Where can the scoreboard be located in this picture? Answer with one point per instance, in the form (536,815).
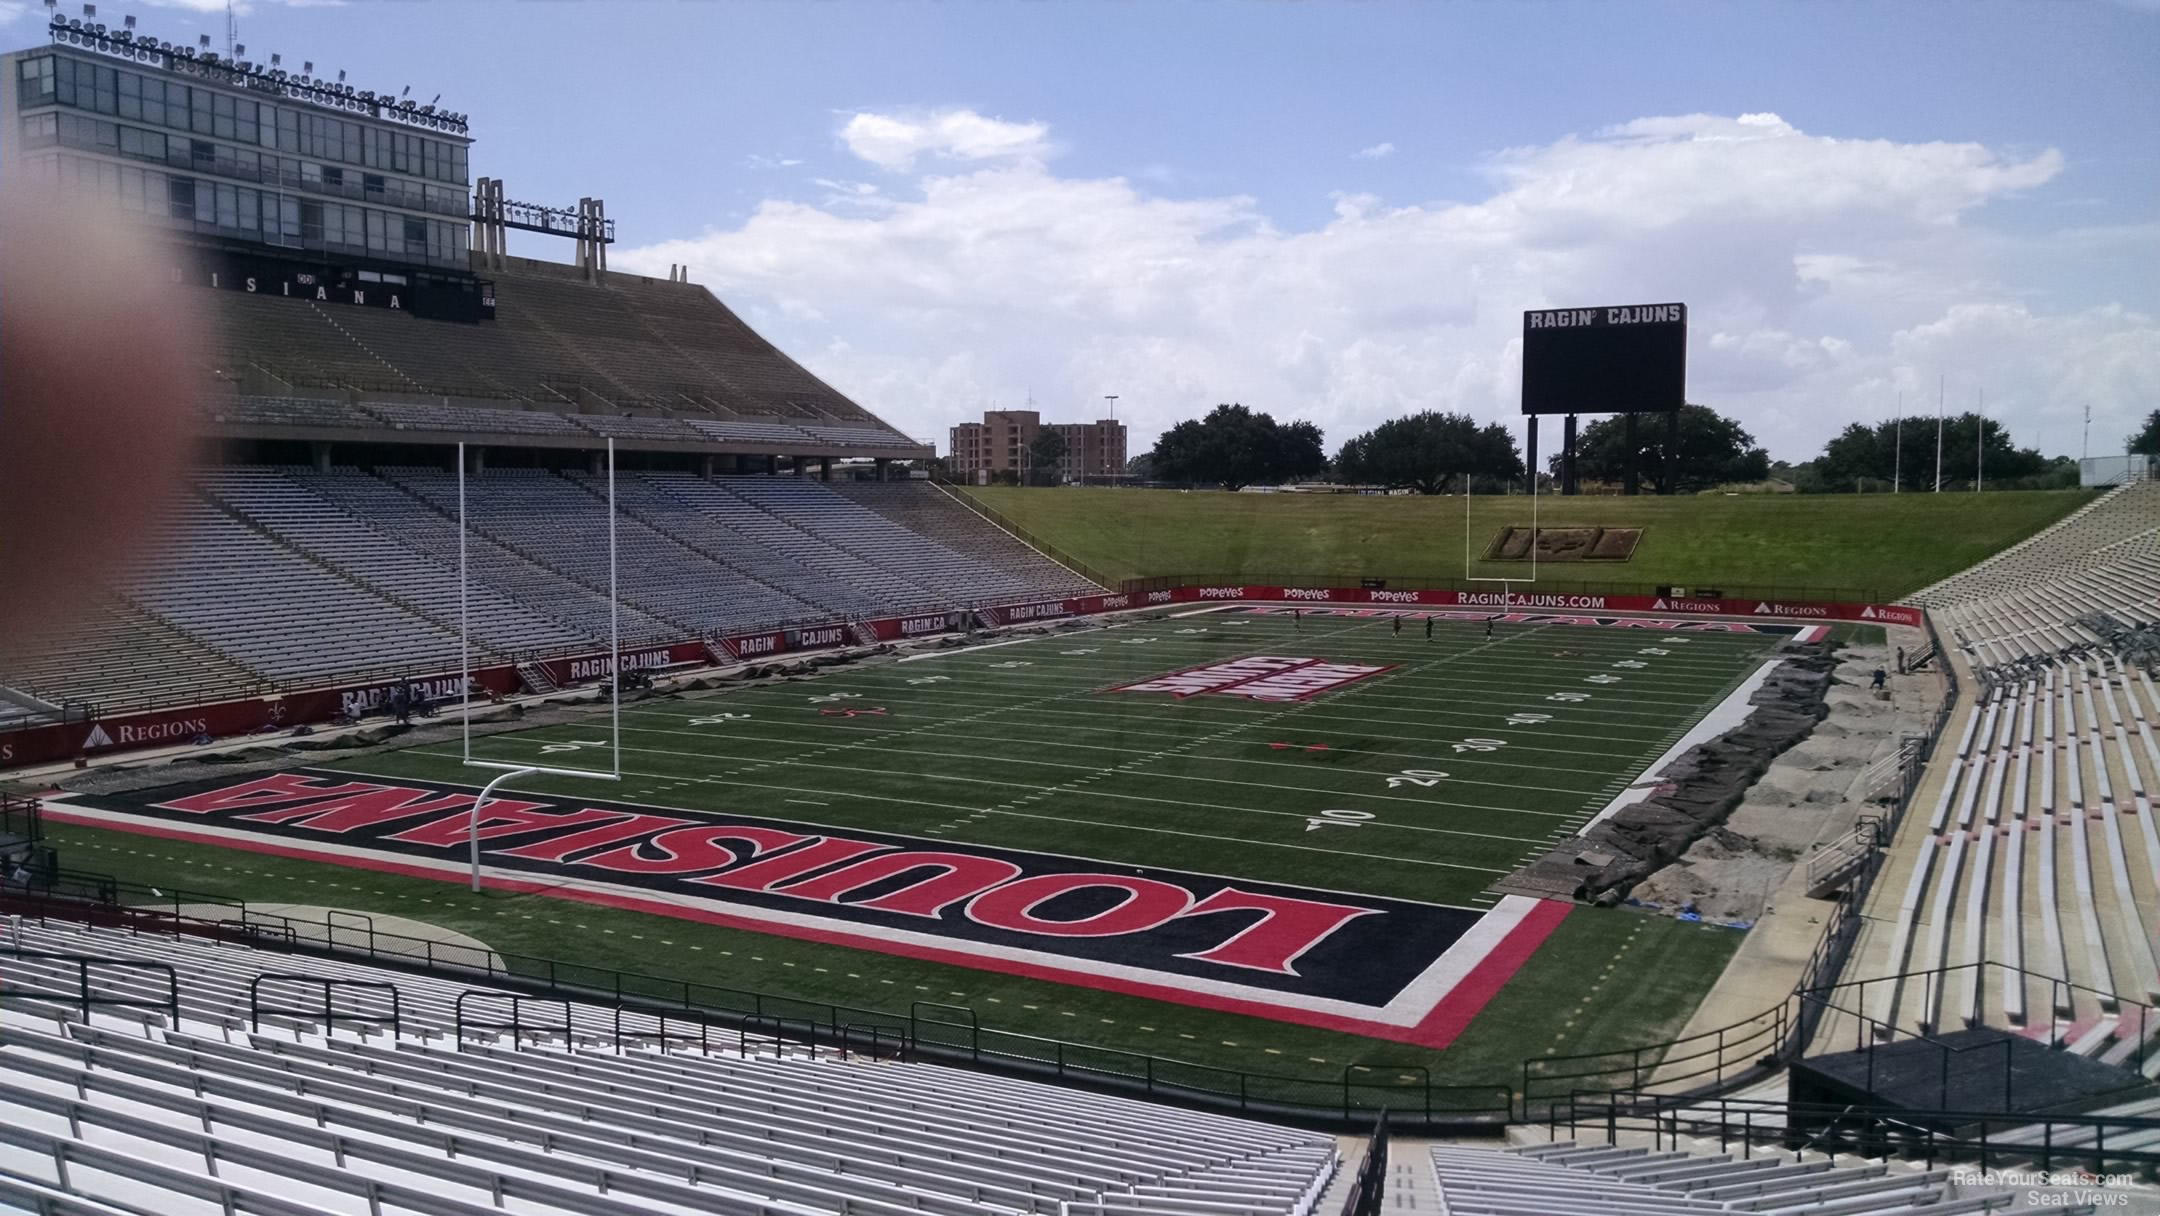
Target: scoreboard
(1631,358)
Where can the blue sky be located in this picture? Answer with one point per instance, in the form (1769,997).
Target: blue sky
(947,206)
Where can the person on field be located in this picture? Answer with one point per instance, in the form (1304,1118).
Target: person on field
(1297,619)
(1881,678)
(1488,629)
(1428,629)
(1398,626)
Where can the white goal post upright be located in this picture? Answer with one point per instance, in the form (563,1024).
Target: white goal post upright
(1466,542)
(510,771)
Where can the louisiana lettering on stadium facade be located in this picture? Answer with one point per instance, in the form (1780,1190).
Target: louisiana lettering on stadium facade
(1387,967)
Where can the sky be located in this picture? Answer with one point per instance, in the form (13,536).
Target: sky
(1334,211)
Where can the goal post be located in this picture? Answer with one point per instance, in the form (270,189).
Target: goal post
(1468,544)
(509,770)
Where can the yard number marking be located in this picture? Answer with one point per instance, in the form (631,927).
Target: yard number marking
(1653,650)
(571,747)
(1631,663)
(1568,696)
(1601,679)
(1527,719)
(1337,819)
(1427,777)
(718,719)
(1480,745)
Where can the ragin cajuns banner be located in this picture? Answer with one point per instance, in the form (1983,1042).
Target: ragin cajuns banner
(1385,967)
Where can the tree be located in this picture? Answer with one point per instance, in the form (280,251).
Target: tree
(1141,467)
(1713,450)
(1861,456)
(1044,452)
(2147,441)
(1427,451)
(1234,447)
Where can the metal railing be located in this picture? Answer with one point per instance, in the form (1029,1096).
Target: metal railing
(1370,1187)
(957,492)
(2103,1144)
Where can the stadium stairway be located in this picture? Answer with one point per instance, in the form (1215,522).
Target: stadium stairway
(208,1112)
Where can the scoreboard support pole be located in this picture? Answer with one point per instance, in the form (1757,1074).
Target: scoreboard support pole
(1567,455)
(1633,478)
(1530,446)
(1672,444)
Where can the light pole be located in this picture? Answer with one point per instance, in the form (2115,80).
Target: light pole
(1897,448)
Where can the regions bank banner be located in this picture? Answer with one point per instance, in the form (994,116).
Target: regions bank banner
(1391,968)
(250,715)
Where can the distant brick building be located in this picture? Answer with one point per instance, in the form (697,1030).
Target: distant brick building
(998,446)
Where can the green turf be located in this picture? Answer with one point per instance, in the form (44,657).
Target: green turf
(1885,544)
(1020,745)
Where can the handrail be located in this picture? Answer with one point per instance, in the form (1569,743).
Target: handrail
(330,1017)
(1032,541)
(86,998)
(517,1024)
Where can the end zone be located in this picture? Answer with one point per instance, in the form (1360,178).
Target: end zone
(1375,966)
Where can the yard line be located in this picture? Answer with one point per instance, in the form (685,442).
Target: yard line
(1272,844)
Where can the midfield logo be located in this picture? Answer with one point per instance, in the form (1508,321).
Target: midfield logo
(1263,677)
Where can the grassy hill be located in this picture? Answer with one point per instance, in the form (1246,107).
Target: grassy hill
(1796,545)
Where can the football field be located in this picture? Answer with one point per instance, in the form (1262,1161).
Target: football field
(1428,780)
(1187,822)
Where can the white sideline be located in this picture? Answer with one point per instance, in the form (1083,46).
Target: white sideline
(1725,715)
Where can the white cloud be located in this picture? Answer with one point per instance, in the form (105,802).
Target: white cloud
(1824,274)
(1380,151)
(894,141)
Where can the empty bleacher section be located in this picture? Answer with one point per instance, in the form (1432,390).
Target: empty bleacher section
(844,525)
(925,509)
(270,608)
(206,1112)
(112,654)
(2033,872)
(557,343)
(286,577)
(555,523)
(344,542)
(579,608)
(737,514)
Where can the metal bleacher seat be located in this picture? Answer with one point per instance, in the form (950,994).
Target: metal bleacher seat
(165,1116)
